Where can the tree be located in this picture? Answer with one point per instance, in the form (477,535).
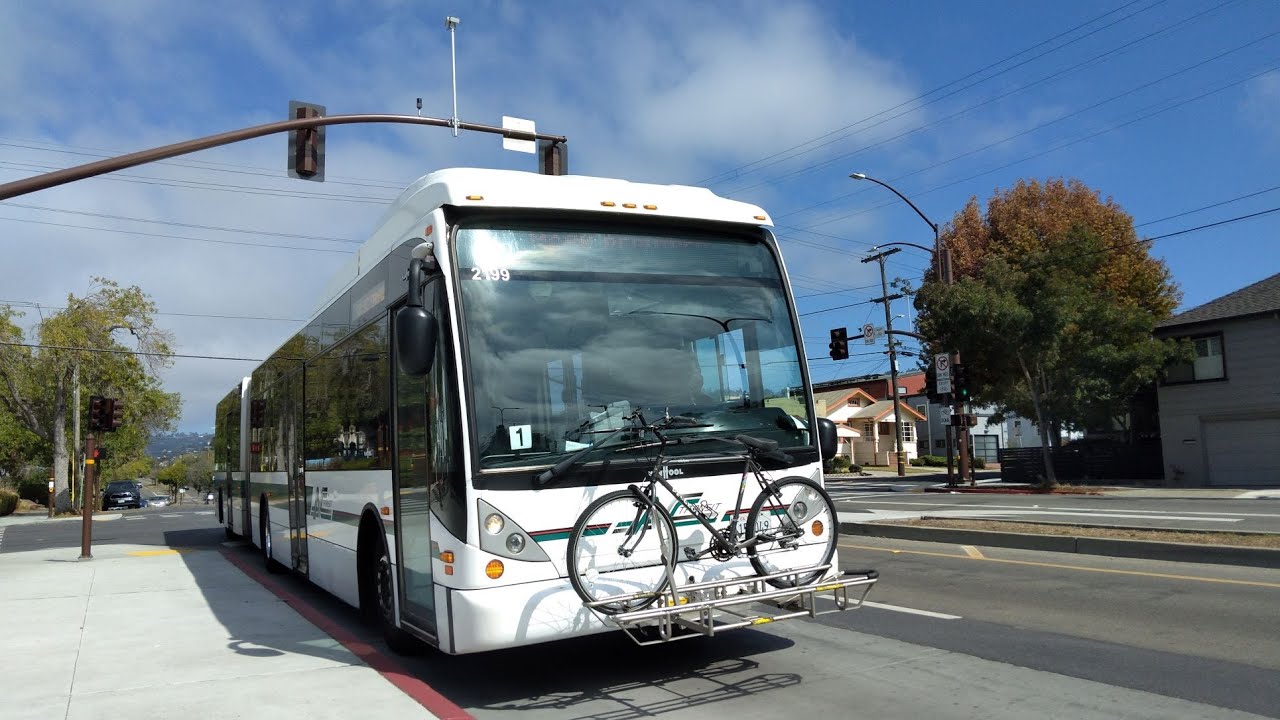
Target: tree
(37,383)
(1053,307)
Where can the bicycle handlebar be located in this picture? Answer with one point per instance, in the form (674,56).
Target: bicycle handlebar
(670,422)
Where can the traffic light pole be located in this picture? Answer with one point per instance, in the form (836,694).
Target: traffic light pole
(962,430)
(87,496)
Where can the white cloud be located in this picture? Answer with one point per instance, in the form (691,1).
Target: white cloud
(664,92)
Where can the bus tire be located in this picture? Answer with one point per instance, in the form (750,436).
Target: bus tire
(379,592)
(264,536)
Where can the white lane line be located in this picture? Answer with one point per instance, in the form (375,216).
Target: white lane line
(170,515)
(1051,508)
(912,611)
(135,518)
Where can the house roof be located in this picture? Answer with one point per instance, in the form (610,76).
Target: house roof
(1258,298)
(883,411)
(837,399)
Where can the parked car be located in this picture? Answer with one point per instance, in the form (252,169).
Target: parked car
(122,493)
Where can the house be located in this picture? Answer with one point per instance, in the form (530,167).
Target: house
(865,425)
(1220,413)
(988,436)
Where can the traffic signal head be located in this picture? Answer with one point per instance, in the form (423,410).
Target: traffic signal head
(99,454)
(306,145)
(116,416)
(961,382)
(97,408)
(839,344)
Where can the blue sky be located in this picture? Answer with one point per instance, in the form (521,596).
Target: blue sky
(1167,106)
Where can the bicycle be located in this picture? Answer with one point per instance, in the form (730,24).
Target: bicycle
(617,565)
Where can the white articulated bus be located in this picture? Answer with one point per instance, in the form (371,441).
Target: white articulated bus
(388,452)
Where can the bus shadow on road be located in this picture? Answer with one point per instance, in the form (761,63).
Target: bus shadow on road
(608,676)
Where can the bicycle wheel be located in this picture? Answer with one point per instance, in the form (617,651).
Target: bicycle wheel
(798,528)
(622,547)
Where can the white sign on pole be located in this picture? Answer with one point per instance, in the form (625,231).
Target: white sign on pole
(869,334)
(513,123)
(942,382)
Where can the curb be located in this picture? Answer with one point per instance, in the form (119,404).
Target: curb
(389,668)
(1142,549)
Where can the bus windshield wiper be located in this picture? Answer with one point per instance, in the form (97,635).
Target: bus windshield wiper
(560,468)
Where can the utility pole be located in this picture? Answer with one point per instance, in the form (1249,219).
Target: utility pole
(893,358)
(75,447)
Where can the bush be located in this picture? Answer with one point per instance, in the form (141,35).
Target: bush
(34,489)
(979,463)
(8,502)
(841,463)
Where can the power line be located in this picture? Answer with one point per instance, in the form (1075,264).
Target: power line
(219,187)
(736,171)
(42,306)
(1059,147)
(1208,207)
(113,351)
(1037,127)
(189,163)
(176,237)
(838,158)
(220,228)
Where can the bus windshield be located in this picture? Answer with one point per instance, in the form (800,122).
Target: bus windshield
(568,330)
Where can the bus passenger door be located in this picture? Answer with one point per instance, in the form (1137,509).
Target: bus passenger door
(413,476)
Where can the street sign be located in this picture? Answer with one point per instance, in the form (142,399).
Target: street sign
(942,379)
(869,334)
(514,123)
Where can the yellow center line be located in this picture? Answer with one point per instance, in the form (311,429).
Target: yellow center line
(1166,576)
(973,552)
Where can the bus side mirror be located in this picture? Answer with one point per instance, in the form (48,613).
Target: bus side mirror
(415,340)
(415,326)
(827,441)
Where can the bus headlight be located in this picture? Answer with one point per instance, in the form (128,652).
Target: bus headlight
(504,537)
(494,523)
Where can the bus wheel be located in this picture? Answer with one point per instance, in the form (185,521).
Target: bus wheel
(383,592)
(264,530)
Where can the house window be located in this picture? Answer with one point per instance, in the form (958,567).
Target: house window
(908,432)
(1207,364)
(868,428)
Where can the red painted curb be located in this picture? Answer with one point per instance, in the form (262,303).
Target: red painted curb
(394,672)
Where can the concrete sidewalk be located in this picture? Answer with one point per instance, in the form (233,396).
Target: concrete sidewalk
(147,632)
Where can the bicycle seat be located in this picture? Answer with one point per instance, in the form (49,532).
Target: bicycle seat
(764,446)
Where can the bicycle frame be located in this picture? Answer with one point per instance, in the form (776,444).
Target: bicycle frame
(725,540)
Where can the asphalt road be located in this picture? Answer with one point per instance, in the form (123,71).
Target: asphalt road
(893,500)
(953,632)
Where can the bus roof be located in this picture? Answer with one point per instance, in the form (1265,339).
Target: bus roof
(480,187)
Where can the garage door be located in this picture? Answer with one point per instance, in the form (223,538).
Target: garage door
(1243,452)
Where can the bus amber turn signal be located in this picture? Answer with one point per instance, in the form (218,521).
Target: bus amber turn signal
(494,569)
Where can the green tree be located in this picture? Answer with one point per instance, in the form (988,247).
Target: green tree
(173,476)
(37,384)
(1053,307)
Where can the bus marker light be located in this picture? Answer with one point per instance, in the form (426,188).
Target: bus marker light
(760,217)
(631,206)
(607,203)
(447,556)
(494,569)
(475,197)
(430,229)
(817,527)
(650,207)
(386,510)
(448,569)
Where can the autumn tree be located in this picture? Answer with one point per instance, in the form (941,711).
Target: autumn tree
(107,344)
(1053,307)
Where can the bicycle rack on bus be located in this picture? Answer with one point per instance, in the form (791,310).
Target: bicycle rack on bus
(698,609)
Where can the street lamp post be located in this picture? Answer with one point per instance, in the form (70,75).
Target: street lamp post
(942,264)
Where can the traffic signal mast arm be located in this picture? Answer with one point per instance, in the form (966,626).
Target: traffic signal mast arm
(101,167)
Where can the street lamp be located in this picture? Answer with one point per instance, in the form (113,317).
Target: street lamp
(941,260)
(942,263)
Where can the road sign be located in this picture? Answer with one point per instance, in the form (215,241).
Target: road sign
(942,380)
(869,334)
(514,123)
